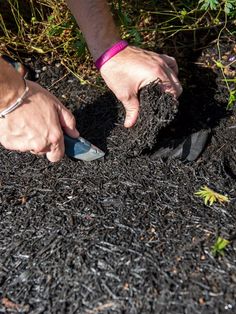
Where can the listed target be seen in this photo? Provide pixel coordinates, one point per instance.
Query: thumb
(132, 110)
(67, 122)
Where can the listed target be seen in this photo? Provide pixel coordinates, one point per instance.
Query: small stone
(126, 286)
(201, 301)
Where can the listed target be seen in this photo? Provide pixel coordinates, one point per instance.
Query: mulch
(125, 234)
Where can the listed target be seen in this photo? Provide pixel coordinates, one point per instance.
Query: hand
(133, 68)
(36, 125)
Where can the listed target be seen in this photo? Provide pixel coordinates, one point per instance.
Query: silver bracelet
(16, 104)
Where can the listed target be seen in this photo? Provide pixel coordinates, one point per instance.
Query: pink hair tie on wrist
(111, 52)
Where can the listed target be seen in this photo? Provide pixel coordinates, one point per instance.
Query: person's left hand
(133, 68)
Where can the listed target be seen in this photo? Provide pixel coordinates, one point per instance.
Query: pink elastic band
(111, 52)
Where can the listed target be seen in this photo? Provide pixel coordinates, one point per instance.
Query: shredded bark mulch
(125, 234)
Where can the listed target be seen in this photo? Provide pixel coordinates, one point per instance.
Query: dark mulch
(125, 234)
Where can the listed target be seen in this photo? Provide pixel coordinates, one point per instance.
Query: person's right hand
(36, 126)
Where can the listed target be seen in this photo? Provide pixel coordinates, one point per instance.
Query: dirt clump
(157, 111)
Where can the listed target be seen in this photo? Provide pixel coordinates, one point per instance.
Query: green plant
(229, 6)
(219, 246)
(232, 98)
(209, 4)
(231, 90)
(210, 197)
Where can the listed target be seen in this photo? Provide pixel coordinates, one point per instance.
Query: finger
(169, 82)
(173, 86)
(171, 62)
(57, 149)
(132, 111)
(177, 85)
(67, 121)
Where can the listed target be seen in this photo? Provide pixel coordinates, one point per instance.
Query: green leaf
(209, 4)
(210, 197)
(183, 12)
(230, 7)
(219, 64)
(219, 246)
(55, 30)
(232, 98)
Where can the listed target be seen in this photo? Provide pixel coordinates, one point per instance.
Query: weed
(210, 197)
(219, 246)
(232, 99)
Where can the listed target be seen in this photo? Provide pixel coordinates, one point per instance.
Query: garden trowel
(78, 148)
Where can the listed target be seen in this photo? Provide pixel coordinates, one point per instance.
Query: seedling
(219, 246)
(210, 197)
(232, 98)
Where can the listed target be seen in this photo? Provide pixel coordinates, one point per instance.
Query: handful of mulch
(157, 111)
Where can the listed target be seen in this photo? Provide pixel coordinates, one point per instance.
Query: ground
(125, 234)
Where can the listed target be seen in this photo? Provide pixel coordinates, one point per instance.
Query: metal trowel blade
(82, 149)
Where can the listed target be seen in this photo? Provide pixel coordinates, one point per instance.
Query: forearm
(96, 22)
(11, 84)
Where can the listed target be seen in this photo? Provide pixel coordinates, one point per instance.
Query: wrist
(110, 53)
(11, 95)
(12, 85)
(17, 103)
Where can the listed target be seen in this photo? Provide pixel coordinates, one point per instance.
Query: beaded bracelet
(111, 52)
(16, 104)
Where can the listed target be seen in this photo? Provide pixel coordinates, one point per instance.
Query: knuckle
(55, 137)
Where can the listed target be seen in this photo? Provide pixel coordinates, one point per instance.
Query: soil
(125, 234)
